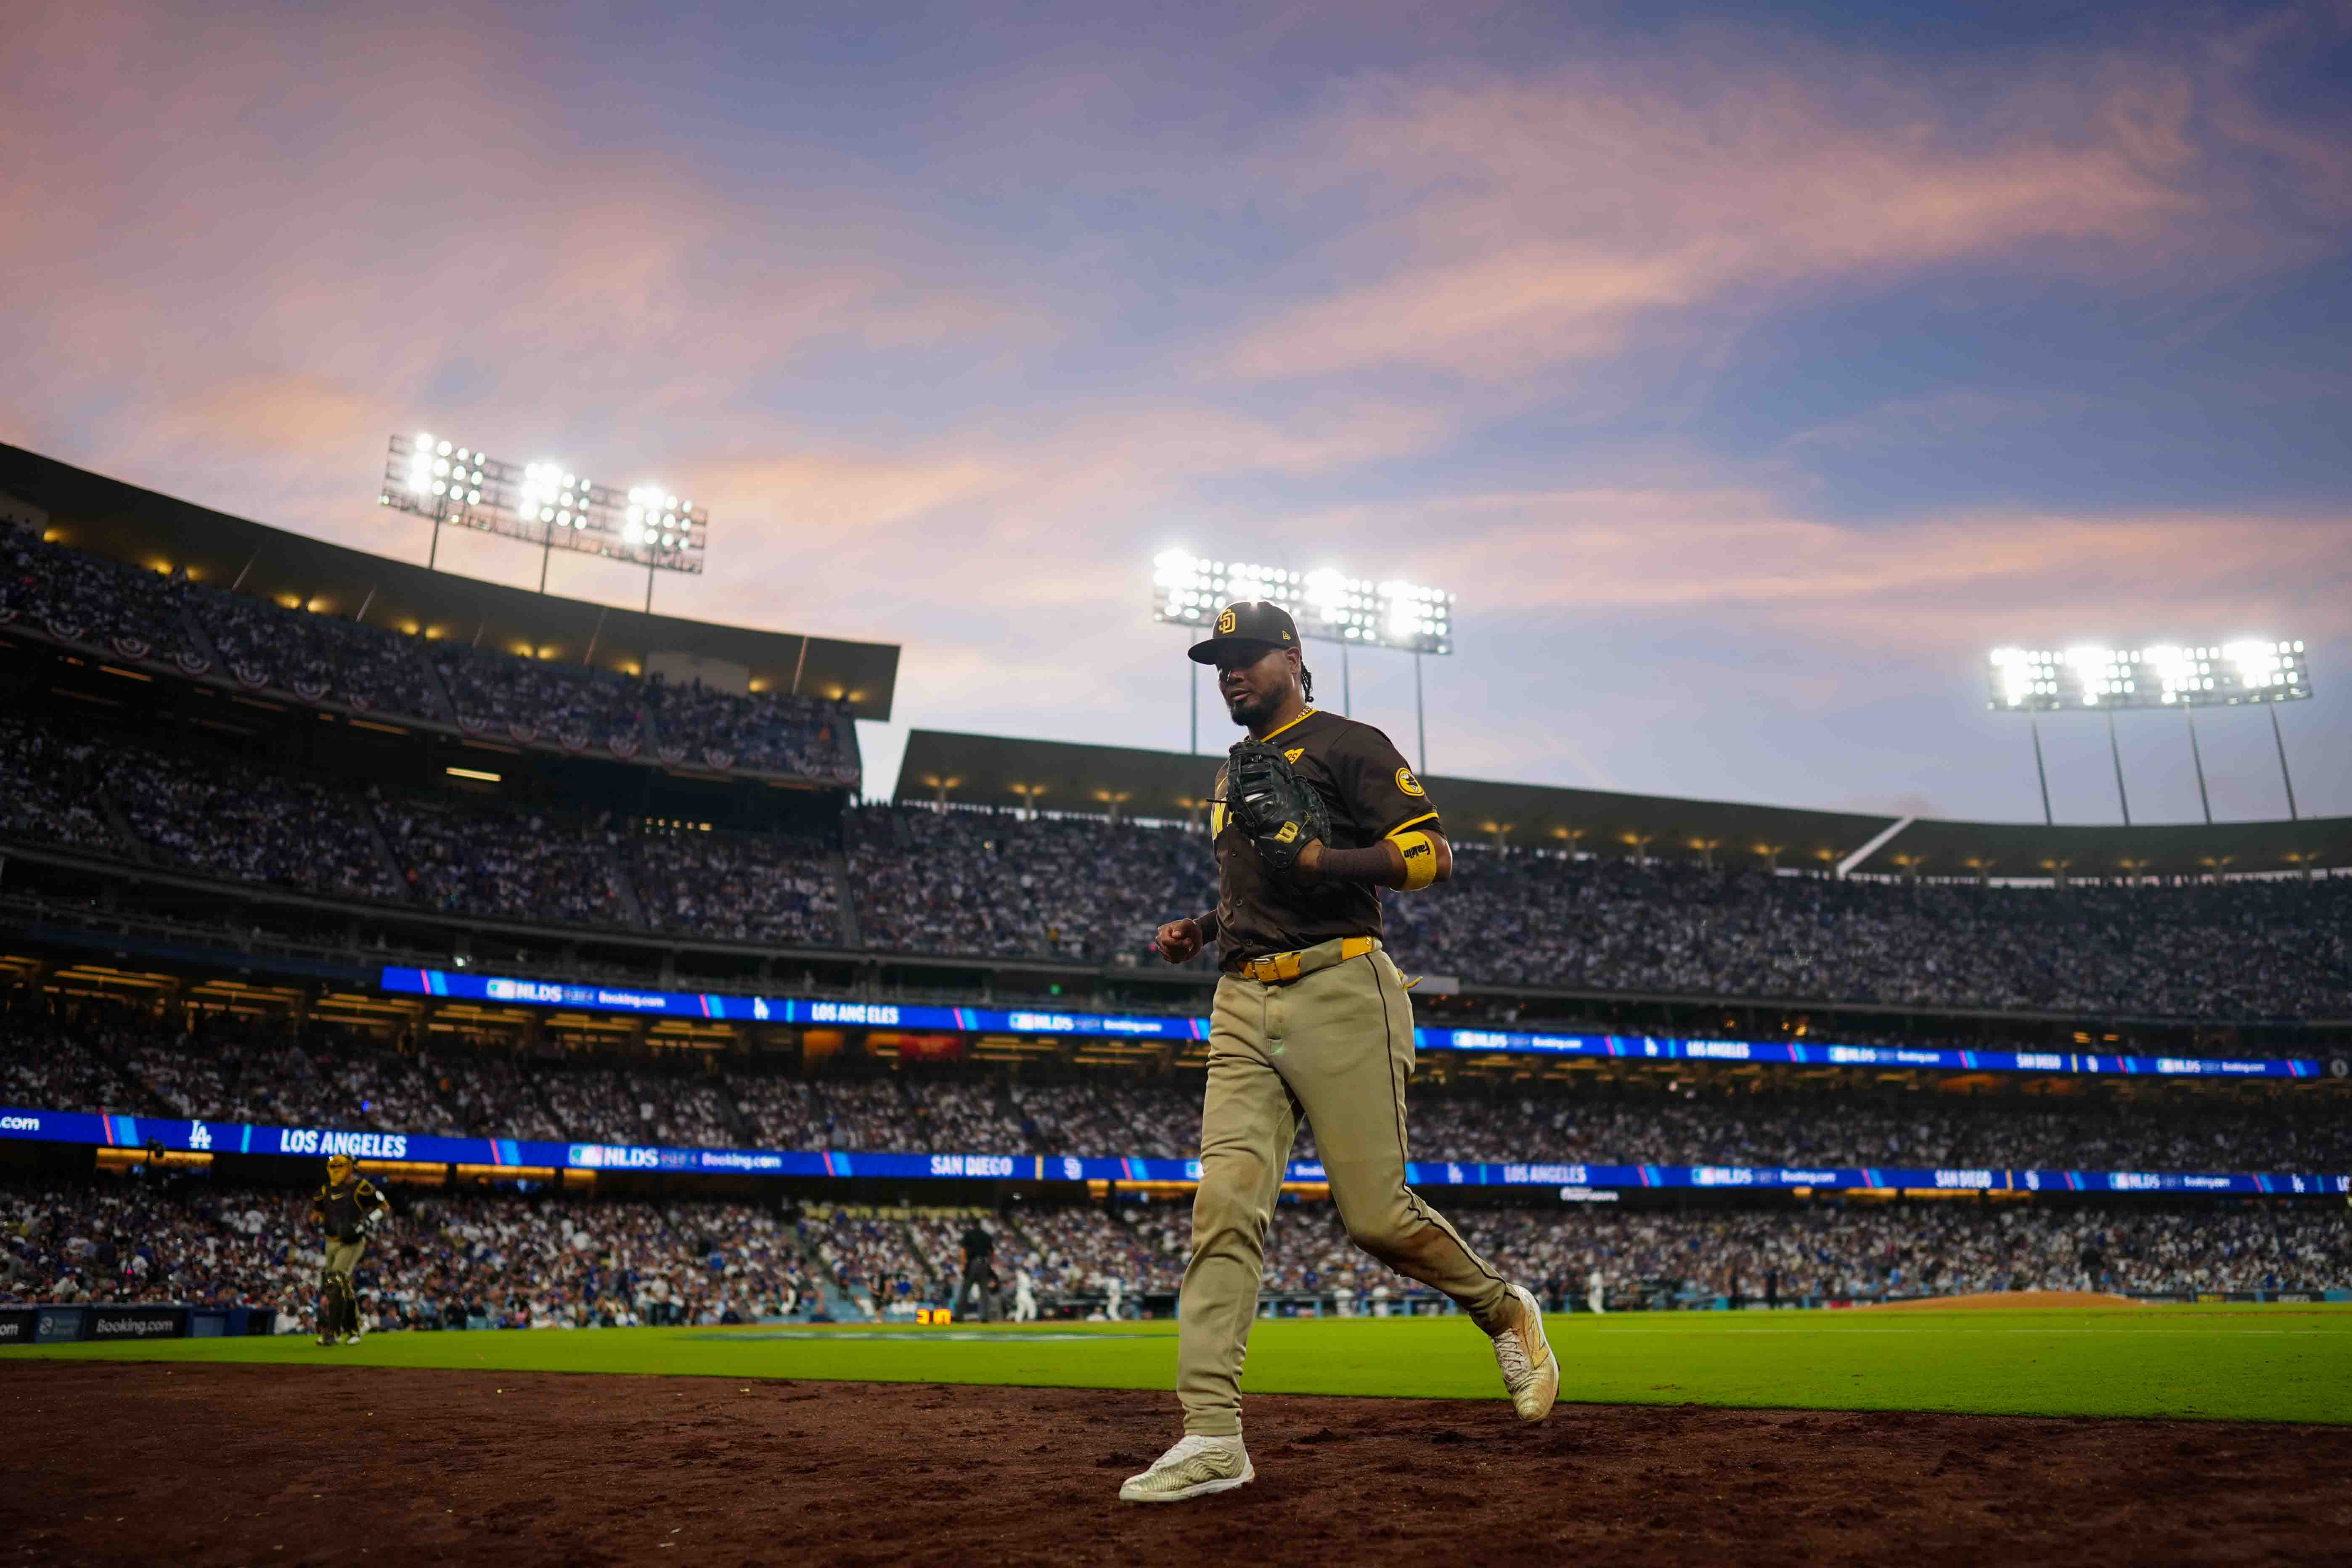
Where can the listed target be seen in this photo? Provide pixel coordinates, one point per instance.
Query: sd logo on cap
(1248, 621)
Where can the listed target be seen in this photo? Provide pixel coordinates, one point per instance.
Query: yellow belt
(1277, 968)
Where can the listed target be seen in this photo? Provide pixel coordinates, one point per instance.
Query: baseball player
(1312, 816)
(348, 1207)
(1025, 1296)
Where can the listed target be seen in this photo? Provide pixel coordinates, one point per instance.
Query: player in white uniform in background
(1115, 1292)
(1592, 1291)
(1024, 1297)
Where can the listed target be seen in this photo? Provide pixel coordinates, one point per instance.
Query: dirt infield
(122, 1462)
(2008, 1301)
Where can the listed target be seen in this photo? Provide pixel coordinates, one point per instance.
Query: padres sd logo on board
(1225, 624)
(1407, 782)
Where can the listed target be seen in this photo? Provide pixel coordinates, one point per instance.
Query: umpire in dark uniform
(1312, 816)
(978, 1282)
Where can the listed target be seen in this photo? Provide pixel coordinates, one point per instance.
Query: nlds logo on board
(608, 1157)
(524, 991)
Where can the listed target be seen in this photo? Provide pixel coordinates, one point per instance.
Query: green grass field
(2261, 1364)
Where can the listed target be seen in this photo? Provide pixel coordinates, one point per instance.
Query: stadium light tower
(544, 504)
(1354, 611)
(2092, 678)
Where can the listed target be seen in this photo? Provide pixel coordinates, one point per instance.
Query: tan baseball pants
(1333, 1048)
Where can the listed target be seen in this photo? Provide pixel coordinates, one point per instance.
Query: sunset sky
(1747, 371)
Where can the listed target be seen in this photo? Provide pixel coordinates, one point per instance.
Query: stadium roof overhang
(107, 516)
(2020, 849)
(1059, 776)
(985, 770)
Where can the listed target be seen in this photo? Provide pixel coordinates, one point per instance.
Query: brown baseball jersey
(344, 1209)
(1369, 794)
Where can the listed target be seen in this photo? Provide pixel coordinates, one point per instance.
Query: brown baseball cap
(1258, 622)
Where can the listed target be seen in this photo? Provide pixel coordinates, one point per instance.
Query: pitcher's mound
(2015, 1299)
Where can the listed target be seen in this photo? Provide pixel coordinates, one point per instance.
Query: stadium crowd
(317, 657)
(995, 885)
(514, 865)
(456, 1258)
(1856, 1251)
(321, 656)
(736, 888)
(91, 600)
(981, 882)
(2238, 949)
(766, 731)
(529, 698)
(49, 779)
(248, 823)
(503, 1258)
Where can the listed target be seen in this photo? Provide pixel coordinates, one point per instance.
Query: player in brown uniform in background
(348, 1207)
(1312, 816)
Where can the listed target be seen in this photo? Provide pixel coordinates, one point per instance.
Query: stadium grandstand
(584, 928)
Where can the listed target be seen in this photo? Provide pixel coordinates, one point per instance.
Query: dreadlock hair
(1307, 682)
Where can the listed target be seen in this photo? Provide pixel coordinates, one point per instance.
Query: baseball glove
(1278, 811)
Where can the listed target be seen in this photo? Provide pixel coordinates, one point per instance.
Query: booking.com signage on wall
(706, 1004)
(179, 1134)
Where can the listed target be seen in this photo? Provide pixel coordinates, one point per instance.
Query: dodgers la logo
(1226, 623)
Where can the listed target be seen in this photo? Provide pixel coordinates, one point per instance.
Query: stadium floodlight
(2159, 675)
(543, 503)
(1189, 591)
(2090, 678)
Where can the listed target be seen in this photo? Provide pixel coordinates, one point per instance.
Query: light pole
(1420, 720)
(2198, 758)
(2284, 776)
(2034, 681)
(2115, 752)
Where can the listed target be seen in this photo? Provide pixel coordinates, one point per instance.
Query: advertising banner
(136, 1323)
(704, 1005)
(316, 1142)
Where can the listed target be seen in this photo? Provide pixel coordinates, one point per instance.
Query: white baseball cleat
(1530, 1372)
(1193, 1467)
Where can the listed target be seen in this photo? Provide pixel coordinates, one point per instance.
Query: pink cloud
(1507, 222)
(1742, 561)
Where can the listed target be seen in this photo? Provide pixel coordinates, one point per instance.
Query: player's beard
(1252, 711)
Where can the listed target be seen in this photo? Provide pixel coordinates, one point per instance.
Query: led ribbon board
(180, 1133)
(704, 1005)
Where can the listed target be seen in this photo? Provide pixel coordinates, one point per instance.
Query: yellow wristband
(1420, 861)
